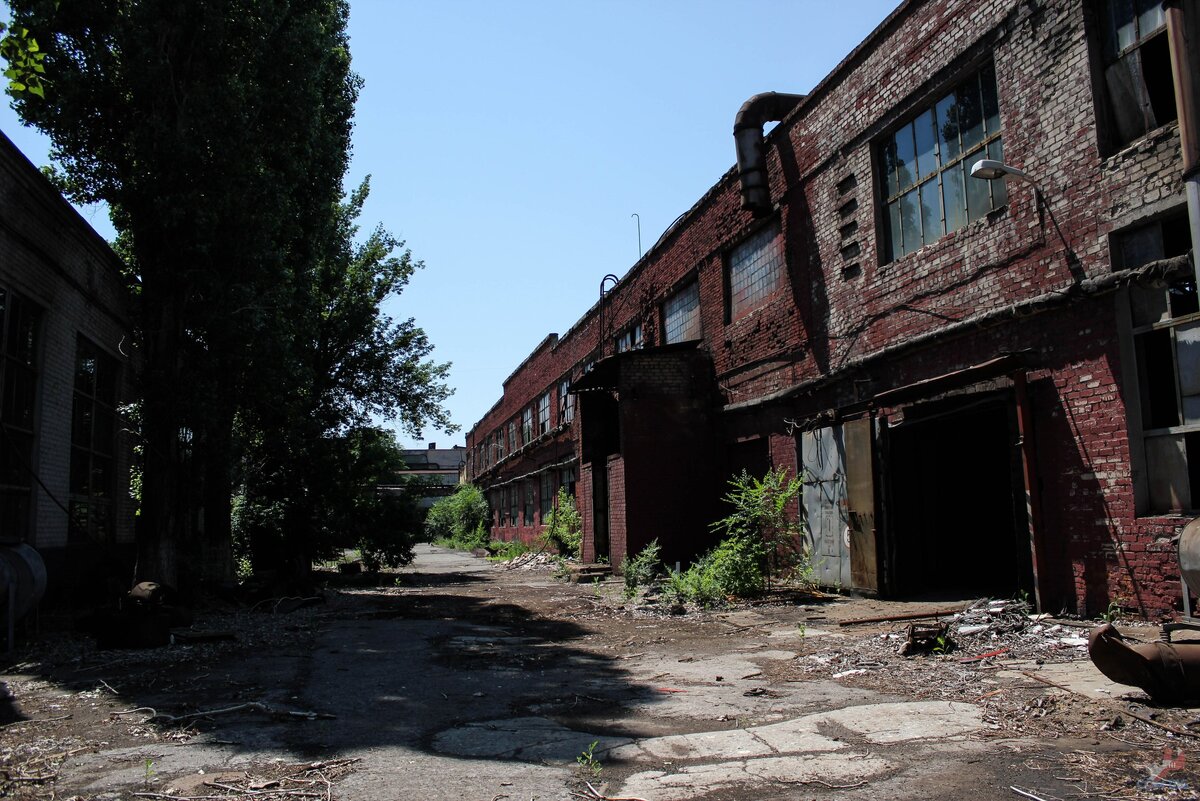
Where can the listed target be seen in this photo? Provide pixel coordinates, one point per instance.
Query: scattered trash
(926, 637)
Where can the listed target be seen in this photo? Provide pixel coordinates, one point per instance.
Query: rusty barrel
(22, 570)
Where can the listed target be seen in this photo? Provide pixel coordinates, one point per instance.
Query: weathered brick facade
(1022, 315)
(53, 264)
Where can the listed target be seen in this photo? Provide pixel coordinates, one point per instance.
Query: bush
(564, 526)
(642, 569)
(762, 521)
(459, 521)
(502, 551)
(734, 568)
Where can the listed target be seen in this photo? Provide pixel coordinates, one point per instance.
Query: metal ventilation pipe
(751, 152)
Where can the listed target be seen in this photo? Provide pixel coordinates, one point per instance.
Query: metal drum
(24, 573)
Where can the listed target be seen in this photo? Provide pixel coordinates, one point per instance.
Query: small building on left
(66, 450)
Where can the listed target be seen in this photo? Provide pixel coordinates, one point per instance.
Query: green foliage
(347, 510)
(460, 520)
(218, 134)
(733, 568)
(25, 73)
(587, 760)
(564, 525)
(502, 550)
(761, 516)
(642, 569)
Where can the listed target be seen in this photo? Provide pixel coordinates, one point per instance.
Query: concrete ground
(469, 681)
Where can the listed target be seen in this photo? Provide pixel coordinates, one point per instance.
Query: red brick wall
(848, 324)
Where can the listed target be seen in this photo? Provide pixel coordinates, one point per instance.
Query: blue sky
(510, 143)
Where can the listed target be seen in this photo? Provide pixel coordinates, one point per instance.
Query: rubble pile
(533, 560)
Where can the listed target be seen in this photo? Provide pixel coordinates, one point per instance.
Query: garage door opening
(956, 501)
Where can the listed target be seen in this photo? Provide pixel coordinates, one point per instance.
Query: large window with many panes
(681, 315)
(755, 270)
(19, 334)
(1164, 400)
(926, 163)
(93, 443)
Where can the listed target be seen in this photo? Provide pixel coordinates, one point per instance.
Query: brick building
(64, 372)
(989, 385)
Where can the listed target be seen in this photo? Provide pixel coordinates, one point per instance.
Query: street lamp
(990, 169)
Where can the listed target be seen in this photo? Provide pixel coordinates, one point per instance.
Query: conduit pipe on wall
(751, 149)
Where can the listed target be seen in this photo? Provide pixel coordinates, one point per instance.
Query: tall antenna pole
(639, 226)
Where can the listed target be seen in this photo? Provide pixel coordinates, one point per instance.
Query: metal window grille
(755, 268)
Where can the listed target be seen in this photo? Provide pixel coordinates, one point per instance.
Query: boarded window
(1137, 67)
(681, 315)
(755, 270)
(926, 167)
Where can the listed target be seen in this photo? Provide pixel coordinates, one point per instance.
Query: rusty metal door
(823, 501)
(858, 441)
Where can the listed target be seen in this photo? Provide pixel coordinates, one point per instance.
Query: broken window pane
(1187, 362)
(1167, 471)
(1156, 378)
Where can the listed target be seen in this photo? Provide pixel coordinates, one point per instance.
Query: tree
(338, 363)
(217, 131)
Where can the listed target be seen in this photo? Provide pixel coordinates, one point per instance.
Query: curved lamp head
(989, 169)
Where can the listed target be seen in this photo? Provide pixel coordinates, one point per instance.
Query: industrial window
(18, 384)
(514, 443)
(566, 480)
(93, 443)
(527, 425)
(926, 167)
(1166, 352)
(547, 496)
(755, 270)
(543, 413)
(681, 315)
(566, 401)
(1137, 67)
(630, 339)
(512, 504)
(497, 499)
(528, 502)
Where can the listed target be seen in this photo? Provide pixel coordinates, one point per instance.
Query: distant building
(990, 386)
(65, 371)
(437, 471)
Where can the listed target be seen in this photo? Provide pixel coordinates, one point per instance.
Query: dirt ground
(456, 678)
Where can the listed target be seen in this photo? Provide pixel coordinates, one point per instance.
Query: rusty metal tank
(1189, 555)
(23, 578)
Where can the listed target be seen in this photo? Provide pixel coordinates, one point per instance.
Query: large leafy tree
(312, 456)
(217, 131)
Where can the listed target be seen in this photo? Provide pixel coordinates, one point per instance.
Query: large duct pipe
(1183, 30)
(751, 151)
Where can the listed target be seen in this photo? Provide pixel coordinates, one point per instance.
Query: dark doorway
(956, 501)
(751, 455)
(600, 510)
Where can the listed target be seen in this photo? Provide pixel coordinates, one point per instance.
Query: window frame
(543, 413)
(92, 507)
(16, 478)
(895, 187)
(741, 298)
(692, 285)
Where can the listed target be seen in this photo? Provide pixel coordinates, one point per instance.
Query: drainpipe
(751, 150)
(1185, 64)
